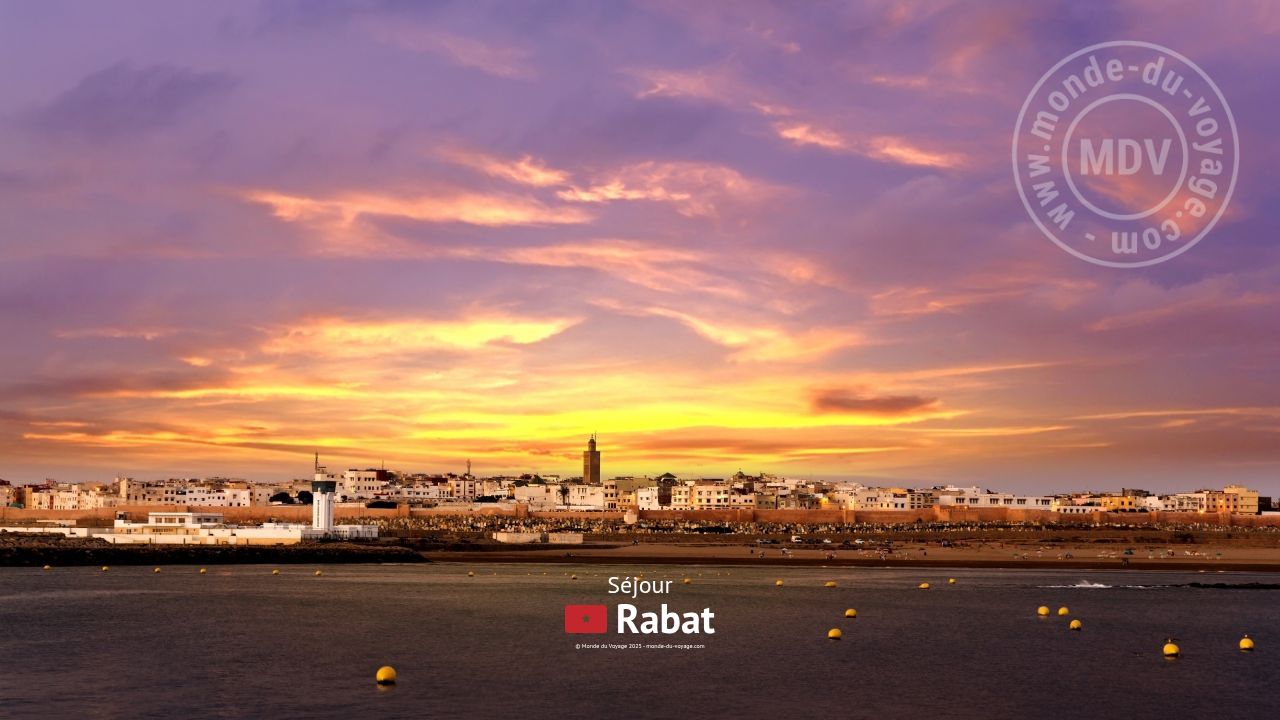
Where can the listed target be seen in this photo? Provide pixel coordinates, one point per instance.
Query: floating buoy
(156, 570)
(319, 573)
(1075, 625)
(105, 568)
(1170, 650)
(573, 577)
(834, 634)
(386, 675)
(47, 568)
(1063, 611)
(1246, 644)
(1042, 611)
(687, 580)
(951, 581)
(275, 572)
(923, 586)
(777, 583)
(830, 584)
(203, 571)
(851, 613)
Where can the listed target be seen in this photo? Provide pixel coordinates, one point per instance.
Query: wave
(1082, 585)
(1086, 585)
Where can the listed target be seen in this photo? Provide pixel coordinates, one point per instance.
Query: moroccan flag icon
(586, 619)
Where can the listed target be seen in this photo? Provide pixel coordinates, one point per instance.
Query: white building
(204, 528)
(418, 492)
(647, 498)
(586, 497)
(538, 496)
(974, 497)
(361, 484)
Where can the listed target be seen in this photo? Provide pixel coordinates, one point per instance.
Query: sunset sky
(780, 237)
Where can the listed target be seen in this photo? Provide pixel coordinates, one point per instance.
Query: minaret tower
(591, 463)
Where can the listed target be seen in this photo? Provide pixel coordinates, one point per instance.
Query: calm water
(239, 642)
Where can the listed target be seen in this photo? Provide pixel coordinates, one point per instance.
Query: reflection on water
(240, 642)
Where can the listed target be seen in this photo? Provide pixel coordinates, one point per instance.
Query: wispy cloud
(340, 337)
(885, 148)
(501, 61)
(524, 170)
(759, 342)
(694, 189)
(447, 207)
(841, 400)
(123, 100)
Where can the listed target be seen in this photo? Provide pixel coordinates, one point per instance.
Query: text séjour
(635, 587)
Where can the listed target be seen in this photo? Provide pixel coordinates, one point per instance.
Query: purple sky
(777, 237)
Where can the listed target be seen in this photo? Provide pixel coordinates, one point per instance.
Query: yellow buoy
(319, 573)
(471, 573)
(851, 613)
(687, 580)
(203, 571)
(951, 581)
(47, 568)
(1246, 644)
(1170, 650)
(834, 634)
(386, 675)
(1063, 611)
(1042, 611)
(573, 577)
(923, 586)
(777, 583)
(105, 568)
(1075, 625)
(275, 572)
(830, 583)
(156, 570)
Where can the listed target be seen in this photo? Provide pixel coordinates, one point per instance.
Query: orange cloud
(695, 189)
(805, 134)
(525, 170)
(460, 207)
(337, 337)
(765, 343)
(886, 148)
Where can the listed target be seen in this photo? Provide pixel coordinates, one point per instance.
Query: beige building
(1234, 499)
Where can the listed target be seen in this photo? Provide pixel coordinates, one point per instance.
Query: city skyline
(727, 238)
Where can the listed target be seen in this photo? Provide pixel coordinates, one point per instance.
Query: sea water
(240, 642)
